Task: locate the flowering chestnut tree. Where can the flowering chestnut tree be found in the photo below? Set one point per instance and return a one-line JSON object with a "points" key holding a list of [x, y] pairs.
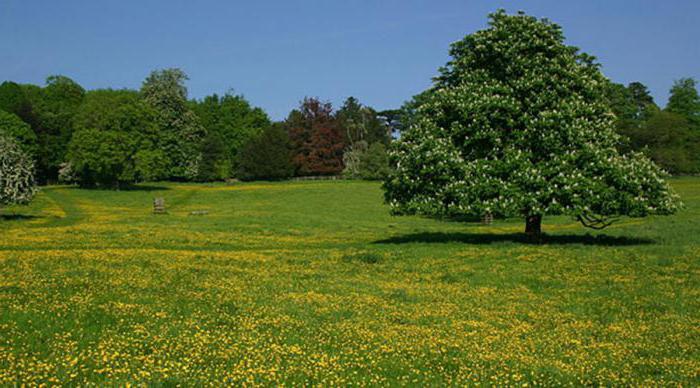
{"points": [[16, 173], [517, 125]]}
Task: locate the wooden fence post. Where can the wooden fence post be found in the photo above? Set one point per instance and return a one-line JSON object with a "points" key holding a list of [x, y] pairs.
{"points": [[159, 205]]}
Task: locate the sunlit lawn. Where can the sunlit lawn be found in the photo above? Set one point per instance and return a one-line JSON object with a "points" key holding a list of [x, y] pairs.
{"points": [[314, 282]]}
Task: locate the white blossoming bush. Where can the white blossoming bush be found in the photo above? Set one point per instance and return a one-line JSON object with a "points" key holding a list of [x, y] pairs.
{"points": [[516, 124], [16, 174]]}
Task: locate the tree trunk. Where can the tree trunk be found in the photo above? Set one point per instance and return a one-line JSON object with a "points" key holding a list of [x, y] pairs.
{"points": [[533, 227]]}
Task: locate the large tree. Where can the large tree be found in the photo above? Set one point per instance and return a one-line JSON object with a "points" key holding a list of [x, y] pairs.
{"points": [[16, 173], [116, 140], [685, 101], [181, 131], [233, 120], [215, 164], [362, 123], [266, 156], [517, 124], [53, 109], [317, 139], [13, 99]]}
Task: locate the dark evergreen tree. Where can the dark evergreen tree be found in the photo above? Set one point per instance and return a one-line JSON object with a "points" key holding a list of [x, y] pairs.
{"points": [[685, 101], [215, 164], [266, 156], [362, 123], [13, 99]]}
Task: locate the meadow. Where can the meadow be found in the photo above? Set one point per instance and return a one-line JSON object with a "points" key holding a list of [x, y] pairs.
{"points": [[315, 283]]}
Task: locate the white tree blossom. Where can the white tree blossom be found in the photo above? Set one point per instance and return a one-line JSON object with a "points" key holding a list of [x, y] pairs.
{"points": [[16, 174], [517, 124]]}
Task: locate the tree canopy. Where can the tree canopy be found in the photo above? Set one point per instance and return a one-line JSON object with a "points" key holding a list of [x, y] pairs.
{"points": [[362, 123], [12, 126], [517, 124], [524, 81], [14, 100], [317, 138], [669, 140], [53, 108], [181, 132], [266, 155], [685, 101], [233, 120], [116, 140]]}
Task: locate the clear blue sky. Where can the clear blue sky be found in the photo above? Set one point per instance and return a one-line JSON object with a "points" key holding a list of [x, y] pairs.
{"points": [[277, 52]]}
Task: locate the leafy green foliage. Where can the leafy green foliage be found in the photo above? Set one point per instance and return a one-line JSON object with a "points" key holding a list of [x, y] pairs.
{"points": [[685, 101], [116, 140], [352, 158], [101, 157], [13, 99], [53, 109], [215, 164], [266, 156], [181, 132], [361, 123], [374, 164], [669, 140], [16, 173], [667, 137], [517, 124], [150, 164], [632, 104], [370, 163], [13, 127], [233, 119]]}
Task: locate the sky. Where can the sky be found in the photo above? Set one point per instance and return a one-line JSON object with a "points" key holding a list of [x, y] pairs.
{"points": [[276, 52]]}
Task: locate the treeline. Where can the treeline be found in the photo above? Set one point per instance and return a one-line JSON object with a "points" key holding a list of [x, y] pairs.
{"points": [[110, 137], [669, 136]]}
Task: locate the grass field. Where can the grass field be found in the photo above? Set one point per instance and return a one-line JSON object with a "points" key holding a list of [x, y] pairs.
{"points": [[314, 282]]}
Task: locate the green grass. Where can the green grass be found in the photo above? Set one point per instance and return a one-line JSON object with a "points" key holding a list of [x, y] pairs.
{"points": [[314, 282]]}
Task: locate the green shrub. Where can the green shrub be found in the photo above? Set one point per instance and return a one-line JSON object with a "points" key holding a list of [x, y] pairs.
{"points": [[374, 164], [215, 164], [21, 132]]}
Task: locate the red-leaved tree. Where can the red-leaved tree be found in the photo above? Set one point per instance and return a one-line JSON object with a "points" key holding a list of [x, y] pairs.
{"points": [[317, 139]]}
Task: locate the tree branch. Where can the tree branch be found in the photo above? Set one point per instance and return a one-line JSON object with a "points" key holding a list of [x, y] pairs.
{"points": [[595, 222]]}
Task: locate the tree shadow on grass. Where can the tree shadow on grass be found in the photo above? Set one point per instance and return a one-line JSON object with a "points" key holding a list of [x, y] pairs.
{"points": [[17, 217], [144, 188], [521, 238], [124, 188]]}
